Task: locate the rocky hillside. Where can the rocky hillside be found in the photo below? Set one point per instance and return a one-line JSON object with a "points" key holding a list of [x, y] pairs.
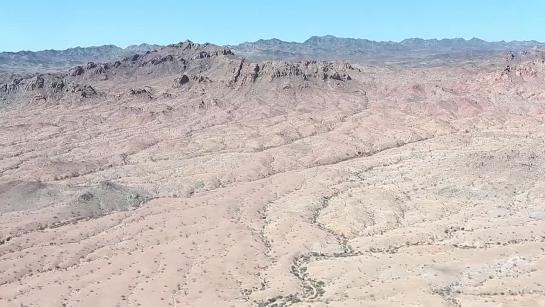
{"points": [[180, 69]]}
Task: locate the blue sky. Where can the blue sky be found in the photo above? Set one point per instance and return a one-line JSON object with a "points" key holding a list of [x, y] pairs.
{"points": [[60, 24]]}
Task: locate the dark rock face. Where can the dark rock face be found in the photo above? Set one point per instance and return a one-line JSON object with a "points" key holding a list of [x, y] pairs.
{"points": [[12, 86], [141, 92], [101, 69], [307, 71], [201, 79], [34, 83], [76, 71], [184, 79], [337, 76], [17, 84], [286, 70], [57, 85], [84, 91], [226, 51], [201, 55], [39, 98], [133, 58], [138, 91], [255, 73], [157, 61]]}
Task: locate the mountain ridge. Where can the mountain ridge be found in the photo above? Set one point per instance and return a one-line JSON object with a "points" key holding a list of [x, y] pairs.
{"points": [[56, 60], [327, 47], [309, 40], [358, 49]]}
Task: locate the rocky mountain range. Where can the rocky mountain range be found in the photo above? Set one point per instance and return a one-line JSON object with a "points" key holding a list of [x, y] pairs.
{"points": [[411, 51], [331, 47]]}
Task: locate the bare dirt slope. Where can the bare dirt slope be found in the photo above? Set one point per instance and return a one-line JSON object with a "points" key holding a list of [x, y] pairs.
{"points": [[191, 177]]}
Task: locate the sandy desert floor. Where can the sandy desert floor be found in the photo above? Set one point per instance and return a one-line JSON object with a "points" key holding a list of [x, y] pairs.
{"points": [[391, 193]]}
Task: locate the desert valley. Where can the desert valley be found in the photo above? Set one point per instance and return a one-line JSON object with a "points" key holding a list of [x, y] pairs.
{"points": [[274, 174]]}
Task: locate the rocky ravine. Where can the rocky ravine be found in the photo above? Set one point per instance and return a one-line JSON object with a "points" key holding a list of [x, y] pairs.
{"points": [[189, 176]]}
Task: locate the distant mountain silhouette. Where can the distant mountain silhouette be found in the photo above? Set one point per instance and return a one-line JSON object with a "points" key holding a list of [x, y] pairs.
{"points": [[316, 47], [351, 48], [53, 60]]}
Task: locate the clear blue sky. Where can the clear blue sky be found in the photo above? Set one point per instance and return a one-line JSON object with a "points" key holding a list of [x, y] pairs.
{"points": [[60, 24]]}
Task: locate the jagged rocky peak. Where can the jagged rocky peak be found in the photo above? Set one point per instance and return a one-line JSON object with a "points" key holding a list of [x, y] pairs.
{"points": [[269, 71], [185, 61], [175, 57], [195, 50]]}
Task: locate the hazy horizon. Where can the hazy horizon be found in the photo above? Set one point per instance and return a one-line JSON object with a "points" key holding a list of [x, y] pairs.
{"points": [[264, 39], [36, 25]]}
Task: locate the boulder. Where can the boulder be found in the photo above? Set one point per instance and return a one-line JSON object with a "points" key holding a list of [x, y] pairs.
{"points": [[184, 79]]}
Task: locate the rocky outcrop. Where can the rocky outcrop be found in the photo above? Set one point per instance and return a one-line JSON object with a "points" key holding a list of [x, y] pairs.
{"points": [[523, 71], [44, 86], [76, 71], [168, 61], [132, 58], [201, 79], [159, 60], [57, 85], [186, 64], [283, 70], [83, 91], [180, 81], [34, 83], [201, 55], [236, 72], [11, 86], [248, 73], [141, 92], [137, 91], [336, 76], [101, 69]]}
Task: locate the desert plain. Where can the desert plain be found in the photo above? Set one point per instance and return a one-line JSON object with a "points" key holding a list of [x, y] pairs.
{"points": [[190, 176]]}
